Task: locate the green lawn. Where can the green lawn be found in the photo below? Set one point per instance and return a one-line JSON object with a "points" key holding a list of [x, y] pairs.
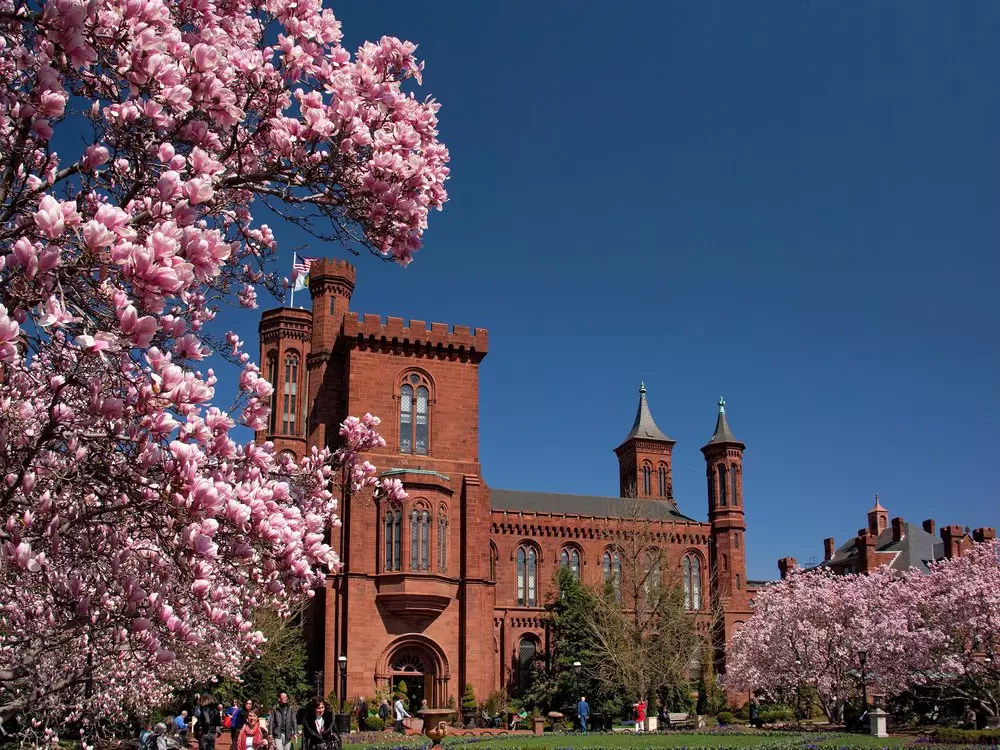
{"points": [[667, 740]]}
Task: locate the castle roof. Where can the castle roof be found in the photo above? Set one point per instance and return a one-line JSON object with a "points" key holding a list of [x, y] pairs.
{"points": [[586, 505], [916, 549], [722, 432], [644, 426]]}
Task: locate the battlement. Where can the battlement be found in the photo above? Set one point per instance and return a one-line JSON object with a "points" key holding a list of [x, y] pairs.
{"points": [[332, 267], [285, 322], [397, 331]]}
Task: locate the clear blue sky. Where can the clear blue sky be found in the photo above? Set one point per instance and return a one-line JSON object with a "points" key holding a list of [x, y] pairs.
{"points": [[791, 204]]}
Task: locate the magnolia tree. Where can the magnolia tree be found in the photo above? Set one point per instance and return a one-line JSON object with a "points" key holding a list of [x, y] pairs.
{"points": [[810, 629], [137, 534], [960, 605]]}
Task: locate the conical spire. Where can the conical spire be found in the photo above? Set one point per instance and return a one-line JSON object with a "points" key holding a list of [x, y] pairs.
{"points": [[722, 432], [877, 506], [644, 427]]}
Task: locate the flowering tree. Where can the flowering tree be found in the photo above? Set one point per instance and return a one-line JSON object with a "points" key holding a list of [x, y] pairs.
{"points": [[810, 628], [960, 605], [137, 536]]}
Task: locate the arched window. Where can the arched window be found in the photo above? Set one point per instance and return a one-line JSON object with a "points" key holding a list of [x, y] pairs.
{"points": [[527, 577], [651, 581], [662, 473], [732, 483], [711, 488], [692, 581], [272, 378], [646, 472], [527, 652], [393, 538], [493, 561], [612, 568], [420, 539], [442, 541], [414, 408], [291, 394], [736, 539], [570, 558], [722, 485], [738, 585]]}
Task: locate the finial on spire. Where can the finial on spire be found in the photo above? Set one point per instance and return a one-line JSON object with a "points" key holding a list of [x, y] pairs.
{"points": [[722, 405], [642, 386], [722, 432]]}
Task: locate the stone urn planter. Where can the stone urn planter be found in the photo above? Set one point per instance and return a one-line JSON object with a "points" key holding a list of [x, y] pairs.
{"points": [[436, 724], [557, 721]]}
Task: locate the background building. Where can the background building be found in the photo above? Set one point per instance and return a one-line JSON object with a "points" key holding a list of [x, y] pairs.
{"points": [[898, 544], [450, 588]]}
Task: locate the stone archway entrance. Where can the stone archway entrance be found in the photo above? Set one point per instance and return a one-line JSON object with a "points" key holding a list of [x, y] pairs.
{"points": [[421, 664]]}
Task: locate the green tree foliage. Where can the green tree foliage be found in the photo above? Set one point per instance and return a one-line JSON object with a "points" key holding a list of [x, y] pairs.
{"points": [[469, 702], [281, 667]]}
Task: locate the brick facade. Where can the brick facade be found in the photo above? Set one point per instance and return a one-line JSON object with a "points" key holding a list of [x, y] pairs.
{"points": [[433, 597]]}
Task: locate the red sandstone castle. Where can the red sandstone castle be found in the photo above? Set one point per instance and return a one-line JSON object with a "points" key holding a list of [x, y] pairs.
{"points": [[449, 589]]}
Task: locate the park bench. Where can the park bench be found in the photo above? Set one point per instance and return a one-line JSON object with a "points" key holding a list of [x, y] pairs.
{"points": [[678, 720]]}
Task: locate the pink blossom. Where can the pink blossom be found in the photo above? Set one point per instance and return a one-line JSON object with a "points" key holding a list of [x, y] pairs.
{"points": [[49, 217]]}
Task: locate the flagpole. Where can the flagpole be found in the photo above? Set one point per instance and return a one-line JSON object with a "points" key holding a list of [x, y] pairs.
{"points": [[291, 299]]}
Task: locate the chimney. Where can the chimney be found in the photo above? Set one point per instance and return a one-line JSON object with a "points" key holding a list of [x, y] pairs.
{"points": [[952, 536], [984, 534], [828, 548], [898, 529], [929, 526], [786, 565], [866, 552]]}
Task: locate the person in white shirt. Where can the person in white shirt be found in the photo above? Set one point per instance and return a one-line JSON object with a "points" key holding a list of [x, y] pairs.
{"points": [[317, 728], [399, 713]]}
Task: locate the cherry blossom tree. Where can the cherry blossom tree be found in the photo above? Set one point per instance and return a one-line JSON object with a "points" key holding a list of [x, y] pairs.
{"points": [[138, 535], [960, 605], [810, 628]]}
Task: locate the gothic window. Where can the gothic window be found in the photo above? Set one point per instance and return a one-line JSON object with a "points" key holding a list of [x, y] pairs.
{"points": [[527, 577], [651, 581], [646, 472], [711, 489], [722, 485], [737, 581], [392, 534], [333, 304], [612, 568], [272, 378], [570, 558], [527, 652], [414, 408], [732, 483], [290, 394], [442, 541], [662, 472], [493, 562], [736, 539], [692, 581], [420, 539]]}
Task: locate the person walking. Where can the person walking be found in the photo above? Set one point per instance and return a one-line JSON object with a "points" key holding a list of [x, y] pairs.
{"points": [[640, 715], [209, 723], [317, 727], [240, 719], [583, 711], [283, 726], [384, 712], [399, 713], [251, 736]]}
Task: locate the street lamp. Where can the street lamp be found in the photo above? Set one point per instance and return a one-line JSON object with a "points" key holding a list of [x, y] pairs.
{"points": [[863, 658], [577, 666], [342, 662]]}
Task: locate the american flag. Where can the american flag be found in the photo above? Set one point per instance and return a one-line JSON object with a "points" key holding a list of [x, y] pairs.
{"points": [[300, 272]]}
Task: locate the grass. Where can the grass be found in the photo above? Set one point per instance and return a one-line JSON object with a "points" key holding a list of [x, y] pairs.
{"points": [[765, 741]]}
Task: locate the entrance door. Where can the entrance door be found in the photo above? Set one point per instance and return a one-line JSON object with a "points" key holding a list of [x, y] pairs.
{"points": [[411, 669]]}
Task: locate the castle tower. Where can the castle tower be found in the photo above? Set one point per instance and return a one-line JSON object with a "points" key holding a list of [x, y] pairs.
{"points": [[727, 555], [331, 284], [878, 518], [644, 457], [285, 343]]}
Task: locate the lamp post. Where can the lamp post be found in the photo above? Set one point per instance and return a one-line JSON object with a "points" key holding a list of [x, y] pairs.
{"points": [[577, 666], [863, 658], [342, 663]]}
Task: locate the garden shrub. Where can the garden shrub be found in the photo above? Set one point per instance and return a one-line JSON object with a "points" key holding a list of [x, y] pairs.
{"points": [[725, 717], [951, 736], [774, 714], [374, 723]]}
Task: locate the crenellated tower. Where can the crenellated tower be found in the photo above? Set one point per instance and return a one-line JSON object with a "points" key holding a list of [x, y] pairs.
{"points": [[285, 344], [644, 457], [727, 553]]}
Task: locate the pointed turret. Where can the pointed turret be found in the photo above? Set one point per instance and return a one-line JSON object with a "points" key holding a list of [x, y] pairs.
{"points": [[644, 426], [644, 456], [878, 518], [722, 432]]}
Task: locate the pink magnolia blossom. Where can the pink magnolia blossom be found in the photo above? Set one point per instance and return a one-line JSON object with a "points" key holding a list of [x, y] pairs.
{"points": [[137, 534]]}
